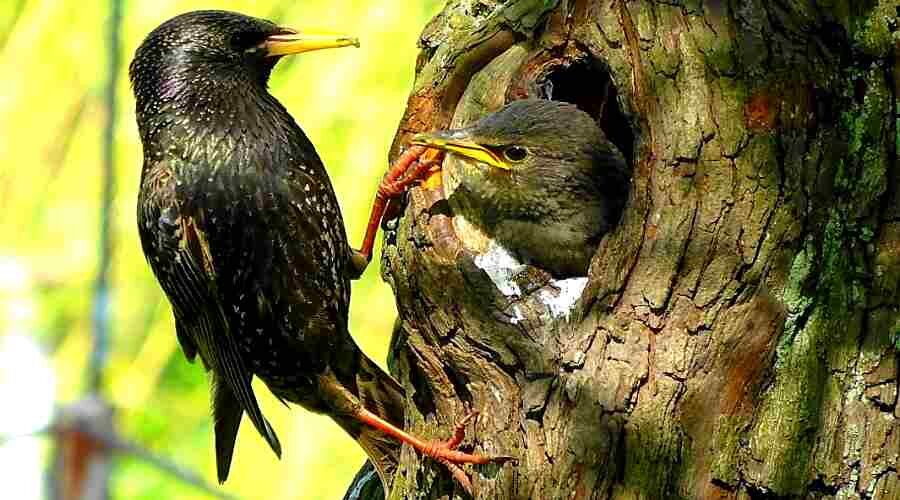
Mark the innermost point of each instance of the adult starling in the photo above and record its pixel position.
(540, 178)
(240, 224)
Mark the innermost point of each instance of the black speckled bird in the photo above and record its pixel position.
(240, 224)
(540, 178)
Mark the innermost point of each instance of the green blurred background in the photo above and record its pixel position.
(53, 62)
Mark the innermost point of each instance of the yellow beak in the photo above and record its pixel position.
(296, 42)
(448, 141)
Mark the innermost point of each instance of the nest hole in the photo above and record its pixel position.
(586, 83)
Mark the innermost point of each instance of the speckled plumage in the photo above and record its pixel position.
(551, 207)
(239, 221)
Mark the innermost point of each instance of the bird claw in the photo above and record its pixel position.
(459, 432)
(444, 452)
(407, 171)
(447, 453)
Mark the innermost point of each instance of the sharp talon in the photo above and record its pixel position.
(444, 452)
(392, 185)
(394, 189)
(447, 450)
(459, 432)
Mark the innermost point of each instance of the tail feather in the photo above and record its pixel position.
(227, 414)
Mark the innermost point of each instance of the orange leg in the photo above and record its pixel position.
(444, 452)
(408, 170)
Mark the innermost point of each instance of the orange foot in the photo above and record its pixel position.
(411, 168)
(445, 452)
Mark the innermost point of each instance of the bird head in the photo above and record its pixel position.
(522, 136)
(217, 49)
(528, 150)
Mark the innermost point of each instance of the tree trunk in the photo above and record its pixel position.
(737, 335)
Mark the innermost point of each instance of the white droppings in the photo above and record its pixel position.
(560, 296)
(517, 315)
(496, 393)
(501, 267)
(561, 300)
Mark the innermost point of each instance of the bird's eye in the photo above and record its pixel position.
(515, 153)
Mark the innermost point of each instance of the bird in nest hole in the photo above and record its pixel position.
(239, 222)
(540, 178)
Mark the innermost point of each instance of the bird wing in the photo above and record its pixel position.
(236, 393)
(179, 254)
(310, 248)
(185, 341)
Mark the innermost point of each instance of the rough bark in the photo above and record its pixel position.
(737, 337)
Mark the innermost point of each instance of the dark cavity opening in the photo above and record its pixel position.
(586, 83)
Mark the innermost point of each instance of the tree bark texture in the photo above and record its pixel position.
(737, 336)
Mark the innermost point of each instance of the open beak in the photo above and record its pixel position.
(290, 41)
(454, 142)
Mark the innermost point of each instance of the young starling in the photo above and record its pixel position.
(240, 224)
(540, 178)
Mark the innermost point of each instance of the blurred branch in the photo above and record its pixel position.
(8, 438)
(16, 8)
(101, 288)
(59, 149)
(134, 387)
(83, 457)
(55, 158)
(83, 431)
